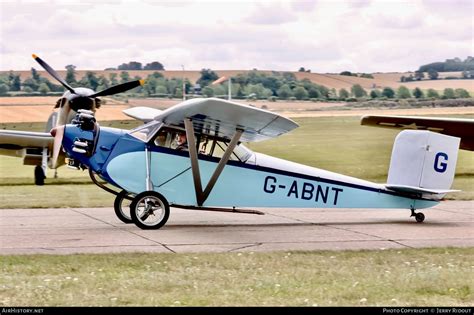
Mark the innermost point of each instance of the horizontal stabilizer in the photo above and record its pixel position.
(419, 190)
(142, 113)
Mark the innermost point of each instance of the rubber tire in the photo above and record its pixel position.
(118, 208)
(39, 176)
(152, 194)
(419, 217)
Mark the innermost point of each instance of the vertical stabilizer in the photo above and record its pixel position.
(423, 159)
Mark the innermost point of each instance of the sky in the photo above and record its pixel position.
(321, 35)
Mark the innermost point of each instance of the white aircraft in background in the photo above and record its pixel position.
(35, 147)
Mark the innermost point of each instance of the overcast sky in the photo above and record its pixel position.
(324, 36)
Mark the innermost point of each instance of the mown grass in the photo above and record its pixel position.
(337, 144)
(409, 277)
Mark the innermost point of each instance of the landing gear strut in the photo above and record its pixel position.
(419, 217)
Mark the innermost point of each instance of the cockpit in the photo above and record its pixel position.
(157, 134)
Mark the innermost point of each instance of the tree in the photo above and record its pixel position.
(132, 65)
(461, 93)
(358, 91)
(30, 83)
(219, 90)
(90, 80)
(448, 93)
(419, 75)
(161, 90)
(313, 92)
(284, 92)
(301, 69)
(403, 92)
(388, 92)
(366, 75)
(35, 75)
(124, 77)
(207, 77)
(431, 93)
(418, 93)
(343, 94)
(150, 85)
(104, 83)
(3, 89)
(258, 90)
(348, 73)
(207, 91)
(113, 78)
(433, 74)
(300, 93)
(155, 65)
(375, 93)
(71, 74)
(14, 82)
(43, 88)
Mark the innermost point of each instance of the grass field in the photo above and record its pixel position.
(409, 277)
(337, 144)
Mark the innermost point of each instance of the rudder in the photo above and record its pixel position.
(423, 159)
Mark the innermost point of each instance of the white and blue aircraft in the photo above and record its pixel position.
(217, 172)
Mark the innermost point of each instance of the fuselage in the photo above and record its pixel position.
(259, 181)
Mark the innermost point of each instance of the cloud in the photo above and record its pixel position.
(271, 15)
(326, 36)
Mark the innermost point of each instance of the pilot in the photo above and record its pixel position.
(181, 141)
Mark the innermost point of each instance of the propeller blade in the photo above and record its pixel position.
(53, 73)
(119, 88)
(58, 134)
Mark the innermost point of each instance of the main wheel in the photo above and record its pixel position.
(39, 175)
(122, 206)
(149, 210)
(419, 217)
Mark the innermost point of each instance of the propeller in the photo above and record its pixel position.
(78, 99)
(53, 73)
(58, 134)
(119, 88)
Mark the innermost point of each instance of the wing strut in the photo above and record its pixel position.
(201, 195)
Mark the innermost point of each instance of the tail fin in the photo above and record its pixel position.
(423, 162)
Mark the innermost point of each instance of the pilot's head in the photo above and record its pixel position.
(181, 138)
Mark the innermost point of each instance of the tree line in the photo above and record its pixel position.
(455, 64)
(250, 85)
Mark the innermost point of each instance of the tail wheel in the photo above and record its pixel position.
(419, 217)
(149, 210)
(122, 206)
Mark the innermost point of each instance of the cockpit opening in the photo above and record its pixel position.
(206, 145)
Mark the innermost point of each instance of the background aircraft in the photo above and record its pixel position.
(35, 147)
(457, 127)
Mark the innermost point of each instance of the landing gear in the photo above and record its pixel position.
(419, 217)
(149, 210)
(39, 175)
(122, 206)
